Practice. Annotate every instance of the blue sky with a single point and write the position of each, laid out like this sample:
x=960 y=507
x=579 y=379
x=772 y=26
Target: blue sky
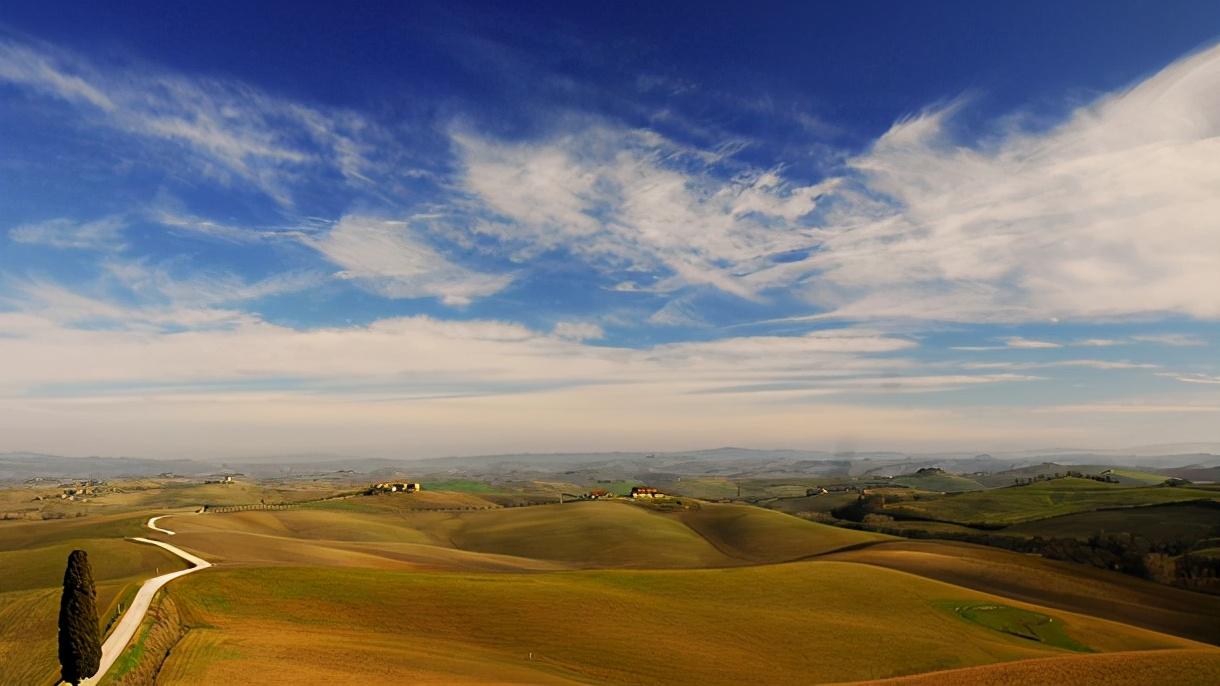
x=413 y=229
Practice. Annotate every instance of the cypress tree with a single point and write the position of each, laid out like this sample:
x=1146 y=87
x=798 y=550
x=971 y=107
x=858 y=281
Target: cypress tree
x=80 y=640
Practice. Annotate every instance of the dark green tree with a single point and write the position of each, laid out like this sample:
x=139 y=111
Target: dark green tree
x=80 y=640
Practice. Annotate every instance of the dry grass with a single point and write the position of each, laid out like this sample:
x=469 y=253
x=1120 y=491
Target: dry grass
x=771 y=624
x=756 y=535
x=1177 y=667
x=575 y=535
x=382 y=588
x=1063 y=585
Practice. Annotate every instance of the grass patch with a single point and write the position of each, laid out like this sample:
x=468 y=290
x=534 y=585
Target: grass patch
x=131 y=657
x=1024 y=624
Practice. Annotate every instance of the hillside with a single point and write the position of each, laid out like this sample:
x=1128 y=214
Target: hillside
x=1062 y=585
x=389 y=531
x=773 y=624
x=1039 y=500
x=1188 y=521
x=462 y=587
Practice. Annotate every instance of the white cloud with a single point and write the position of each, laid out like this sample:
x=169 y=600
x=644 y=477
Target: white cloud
x=630 y=200
x=46 y=305
x=1029 y=344
x=1128 y=408
x=1176 y=340
x=415 y=386
x=56 y=341
x=391 y=259
x=1098 y=342
x=1110 y=214
x=99 y=234
x=1195 y=378
x=202 y=287
x=1092 y=364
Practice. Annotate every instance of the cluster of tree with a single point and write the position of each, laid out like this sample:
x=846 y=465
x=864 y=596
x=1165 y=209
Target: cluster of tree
x=858 y=509
x=1103 y=478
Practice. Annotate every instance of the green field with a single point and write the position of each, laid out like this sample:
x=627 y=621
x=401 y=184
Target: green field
x=1135 y=476
x=1183 y=521
x=1040 y=500
x=1026 y=624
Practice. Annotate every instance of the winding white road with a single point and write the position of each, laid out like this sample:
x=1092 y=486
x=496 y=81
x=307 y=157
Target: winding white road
x=134 y=616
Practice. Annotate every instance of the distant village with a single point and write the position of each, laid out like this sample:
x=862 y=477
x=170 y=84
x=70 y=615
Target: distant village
x=637 y=492
x=83 y=490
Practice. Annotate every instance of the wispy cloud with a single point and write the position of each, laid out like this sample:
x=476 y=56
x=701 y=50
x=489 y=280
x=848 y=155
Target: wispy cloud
x=98 y=234
x=1029 y=344
x=226 y=130
x=1177 y=340
x=1194 y=378
x=631 y=201
x=1107 y=215
x=1021 y=343
x=392 y=259
x=1091 y=364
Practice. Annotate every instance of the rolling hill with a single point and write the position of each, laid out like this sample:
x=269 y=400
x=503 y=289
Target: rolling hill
x=761 y=624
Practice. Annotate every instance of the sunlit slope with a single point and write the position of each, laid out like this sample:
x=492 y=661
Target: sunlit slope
x=1003 y=506
x=588 y=535
x=110 y=558
x=756 y=535
x=1177 y=667
x=333 y=538
x=1063 y=585
x=26 y=534
x=580 y=535
x=770 y=624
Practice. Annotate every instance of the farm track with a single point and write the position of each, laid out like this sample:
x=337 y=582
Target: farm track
x=130 y=623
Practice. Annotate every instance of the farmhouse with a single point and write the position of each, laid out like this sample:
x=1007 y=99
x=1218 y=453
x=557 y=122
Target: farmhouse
x=396 y=487
x=598 y=494
x=646 y=492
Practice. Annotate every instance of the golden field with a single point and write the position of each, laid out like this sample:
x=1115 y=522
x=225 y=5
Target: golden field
x=449 y=588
